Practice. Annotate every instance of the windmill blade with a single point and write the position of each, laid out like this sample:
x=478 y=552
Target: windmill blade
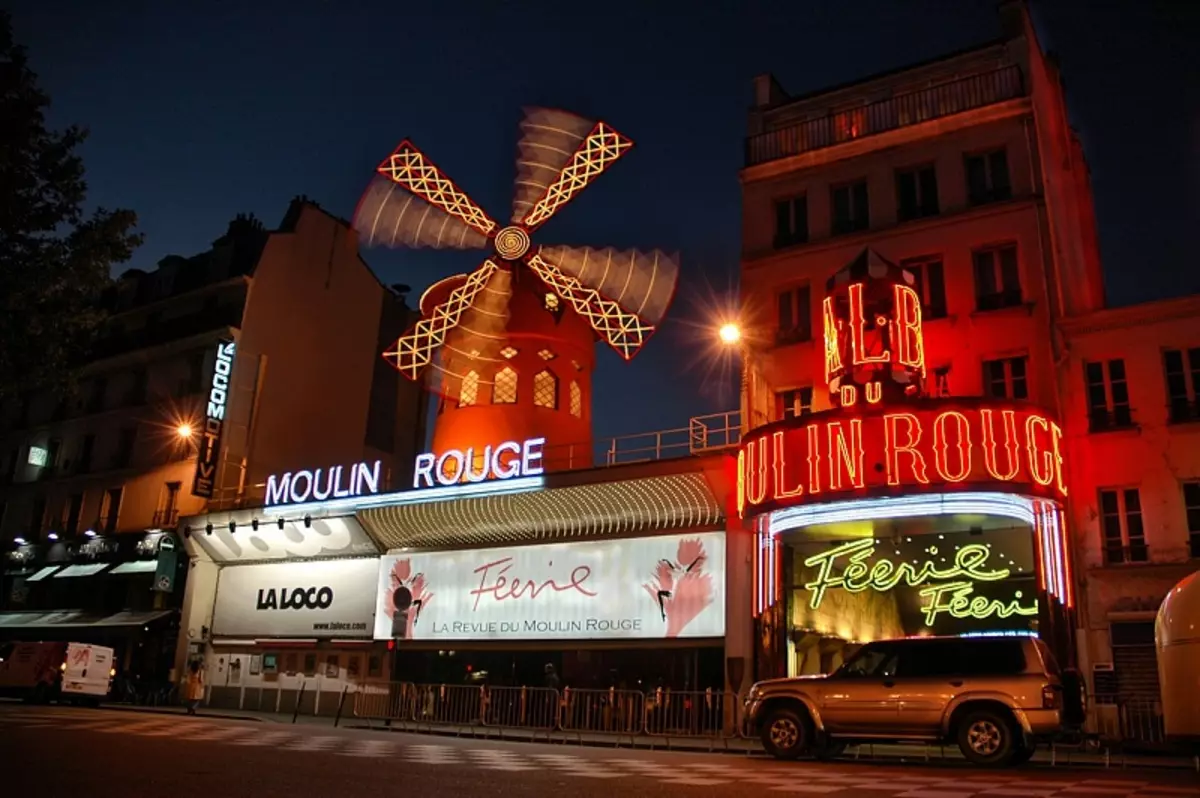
x=642 y=283
x=408 y=167
x=390 y=216
x=415 y=349
x=596 y=152
x=475 y=343
x=549 y=138
x=623 y=331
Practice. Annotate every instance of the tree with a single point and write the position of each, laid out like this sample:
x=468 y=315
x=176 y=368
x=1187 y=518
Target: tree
x=54 y=261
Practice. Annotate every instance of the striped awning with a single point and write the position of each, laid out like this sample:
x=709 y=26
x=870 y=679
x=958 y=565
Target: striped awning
x=604 y=509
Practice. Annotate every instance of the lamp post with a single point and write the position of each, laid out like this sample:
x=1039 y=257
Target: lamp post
x=731 y=336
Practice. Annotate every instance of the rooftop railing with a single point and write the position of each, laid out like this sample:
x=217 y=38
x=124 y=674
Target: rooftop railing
x=954 y=97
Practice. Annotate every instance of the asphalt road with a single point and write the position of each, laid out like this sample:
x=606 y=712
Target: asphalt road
x=100 y=753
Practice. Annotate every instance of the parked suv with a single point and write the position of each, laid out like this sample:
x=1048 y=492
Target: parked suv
x=994 y=696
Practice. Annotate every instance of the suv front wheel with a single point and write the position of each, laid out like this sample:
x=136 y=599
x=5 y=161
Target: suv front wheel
x=986 y=737
x=786 y=733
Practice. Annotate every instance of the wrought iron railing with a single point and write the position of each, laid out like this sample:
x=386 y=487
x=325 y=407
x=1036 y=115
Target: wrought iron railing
x=954 y=97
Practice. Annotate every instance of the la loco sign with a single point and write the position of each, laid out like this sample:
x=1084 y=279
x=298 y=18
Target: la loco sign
x=882 y=449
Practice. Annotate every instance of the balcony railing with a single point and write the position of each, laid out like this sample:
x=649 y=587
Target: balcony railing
x=965 y=94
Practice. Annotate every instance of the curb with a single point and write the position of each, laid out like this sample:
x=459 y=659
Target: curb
x=181 y=713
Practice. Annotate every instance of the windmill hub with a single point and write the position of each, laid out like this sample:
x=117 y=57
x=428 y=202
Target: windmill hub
x=512 y=242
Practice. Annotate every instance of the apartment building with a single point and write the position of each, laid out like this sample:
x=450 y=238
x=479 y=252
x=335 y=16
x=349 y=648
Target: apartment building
x=214 y=371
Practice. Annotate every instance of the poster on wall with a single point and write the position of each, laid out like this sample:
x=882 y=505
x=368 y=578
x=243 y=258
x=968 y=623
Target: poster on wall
x=672 y=586
x=331 y=598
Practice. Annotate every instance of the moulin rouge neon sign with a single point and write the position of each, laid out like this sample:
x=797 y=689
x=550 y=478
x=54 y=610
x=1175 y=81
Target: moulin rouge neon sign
x=880 y=450
x=955 y=598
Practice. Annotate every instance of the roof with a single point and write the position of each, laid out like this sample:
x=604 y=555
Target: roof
x=604 y=509
x=1158 y=311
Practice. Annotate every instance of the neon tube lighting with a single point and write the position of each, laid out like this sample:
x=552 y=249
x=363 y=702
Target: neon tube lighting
x=973 y=503
x=400 y=498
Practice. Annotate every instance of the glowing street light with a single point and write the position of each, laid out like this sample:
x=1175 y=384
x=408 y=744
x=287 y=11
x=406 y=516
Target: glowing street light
x=730 y=333
x=184 y=431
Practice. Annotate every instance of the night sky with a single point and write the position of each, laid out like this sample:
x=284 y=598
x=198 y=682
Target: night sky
x=200 y=112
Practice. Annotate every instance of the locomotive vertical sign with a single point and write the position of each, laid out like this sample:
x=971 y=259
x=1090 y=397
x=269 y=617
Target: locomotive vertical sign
x=208 y=455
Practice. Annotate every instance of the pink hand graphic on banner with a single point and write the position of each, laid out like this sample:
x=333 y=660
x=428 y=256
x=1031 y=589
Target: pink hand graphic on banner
x=693 y=593
x=681 y=590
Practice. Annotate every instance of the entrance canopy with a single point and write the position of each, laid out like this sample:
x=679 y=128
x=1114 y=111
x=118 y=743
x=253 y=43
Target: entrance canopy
x=74 y=619
x=650 y=504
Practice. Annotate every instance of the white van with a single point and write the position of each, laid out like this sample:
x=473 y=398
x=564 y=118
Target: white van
x=42 y=672
x=87 y=671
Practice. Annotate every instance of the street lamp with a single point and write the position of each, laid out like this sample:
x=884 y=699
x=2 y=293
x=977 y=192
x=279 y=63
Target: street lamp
x=730 y=333
x=184 y=431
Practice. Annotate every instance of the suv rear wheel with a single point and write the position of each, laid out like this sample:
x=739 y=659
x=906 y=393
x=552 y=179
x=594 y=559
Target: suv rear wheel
x=786 y=733
x=986 y=737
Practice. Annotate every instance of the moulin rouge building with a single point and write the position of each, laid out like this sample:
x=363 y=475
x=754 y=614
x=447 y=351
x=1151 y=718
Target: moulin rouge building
x=1054 y=438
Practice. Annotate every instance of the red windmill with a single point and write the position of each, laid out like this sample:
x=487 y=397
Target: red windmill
x=509 y=346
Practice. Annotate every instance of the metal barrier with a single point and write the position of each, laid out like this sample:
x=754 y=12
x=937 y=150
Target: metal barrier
x=612 y=711
x=531 y=708
x=664 y=713
x=709 y=714
x=391 y=701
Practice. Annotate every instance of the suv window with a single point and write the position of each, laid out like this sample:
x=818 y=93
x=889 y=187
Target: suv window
x=933 y=658
x=993 y=657
x=871 y=660
x=1047 y=657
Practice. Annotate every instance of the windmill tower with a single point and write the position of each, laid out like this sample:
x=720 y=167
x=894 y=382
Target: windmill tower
x=510 y=346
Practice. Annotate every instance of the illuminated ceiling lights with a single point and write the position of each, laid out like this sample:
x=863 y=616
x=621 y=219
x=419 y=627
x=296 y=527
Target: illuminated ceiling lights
x=622 y=295
x=966 y=503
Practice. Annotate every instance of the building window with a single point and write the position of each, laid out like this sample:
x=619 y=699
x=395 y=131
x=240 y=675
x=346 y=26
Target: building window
x=74 y=511
x=547 y=355
x=576 y=400
x=930 y=284
x=1107 y=396
x=167 y=513
x=1182 y=367
x=794 y=403
x=1121 y=519
x=123 y=456
x=96 y=399
x=508 y=353
x=1191 y=500
x=791 y=221
x=138 y=382
x=916 y=193
x=86 y=447
x=1006 y=378
x=110 y=508
x=545 y=390
x=504 y=389
x=37 y=516
x=795 y=316
x=850 y=209
x=987 y=177
x=997 y=278
x=468 y=391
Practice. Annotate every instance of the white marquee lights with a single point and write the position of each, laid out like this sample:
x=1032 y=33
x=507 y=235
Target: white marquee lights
x=337 y=482
x=507 y=460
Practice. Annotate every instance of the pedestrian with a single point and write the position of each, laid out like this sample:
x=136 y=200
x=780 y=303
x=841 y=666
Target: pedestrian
x=195 y=687
x=551 y=676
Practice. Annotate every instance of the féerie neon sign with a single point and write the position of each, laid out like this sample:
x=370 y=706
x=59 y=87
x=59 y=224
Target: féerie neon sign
x=954 y=598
